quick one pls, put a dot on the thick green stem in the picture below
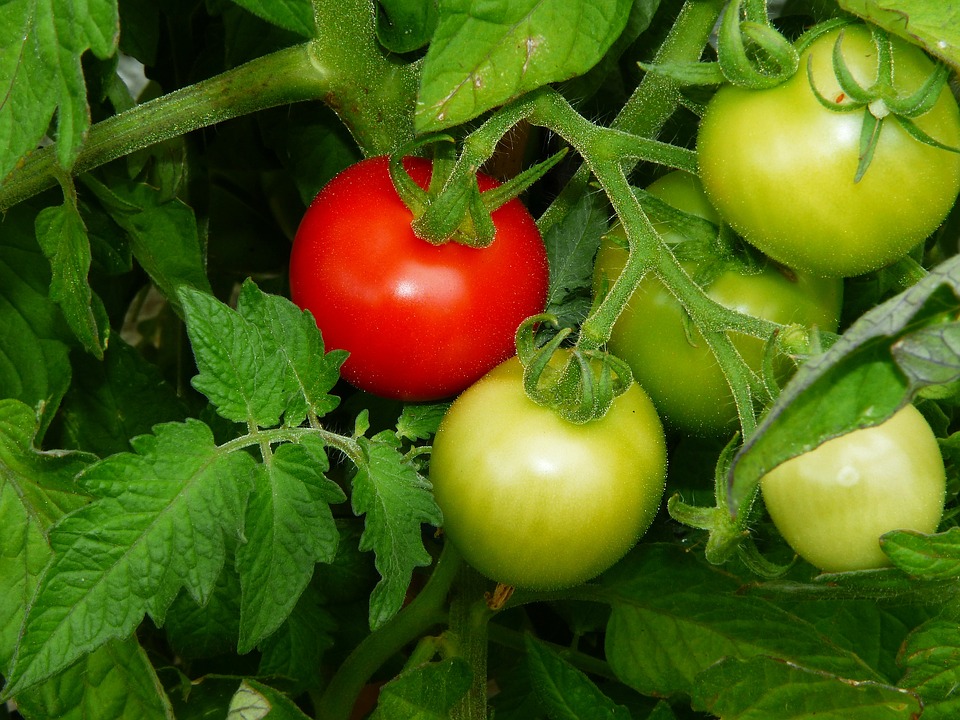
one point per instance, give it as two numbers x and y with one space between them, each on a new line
469 618
425 611
286 76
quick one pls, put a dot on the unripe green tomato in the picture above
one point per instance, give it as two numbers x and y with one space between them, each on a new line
780 167
534 501
669 357
833 503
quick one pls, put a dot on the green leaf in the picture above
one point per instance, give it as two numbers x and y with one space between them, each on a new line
36 490
62 236
876 367
420 422
571 247
291 333
406 25
933 26
396 500
240 372
762 688
197 632
254 701
162 230
293 15
92 687
428 692
289 529
41 44
673 616
114 400
931 557
34 367
158 524
565 693
930 658
484 54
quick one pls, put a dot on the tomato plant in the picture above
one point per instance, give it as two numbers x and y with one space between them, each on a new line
781 168
420 321
199 514
534 501
668 355
834 502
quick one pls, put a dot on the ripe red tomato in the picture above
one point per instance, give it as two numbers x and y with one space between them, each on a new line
421 321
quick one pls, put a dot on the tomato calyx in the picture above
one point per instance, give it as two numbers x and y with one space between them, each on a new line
881 101
751 52
579 385
452 208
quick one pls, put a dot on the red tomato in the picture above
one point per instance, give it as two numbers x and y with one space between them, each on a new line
421 321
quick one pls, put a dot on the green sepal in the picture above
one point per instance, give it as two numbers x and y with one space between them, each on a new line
742 69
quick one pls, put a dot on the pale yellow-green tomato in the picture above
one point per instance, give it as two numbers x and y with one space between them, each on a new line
833 503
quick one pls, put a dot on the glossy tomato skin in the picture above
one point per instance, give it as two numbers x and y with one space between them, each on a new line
780 167
533 501
669 357
833 503
421 322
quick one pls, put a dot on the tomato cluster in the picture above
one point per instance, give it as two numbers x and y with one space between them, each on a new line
534 500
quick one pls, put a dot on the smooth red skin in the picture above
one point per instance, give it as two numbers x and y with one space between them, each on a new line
421 322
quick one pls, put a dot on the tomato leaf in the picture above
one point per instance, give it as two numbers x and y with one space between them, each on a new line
396 500
35 342
764 687
120 668
406 25
41 44
254 699
564 691
36 489
294 15
428 692
930 557
158 524
483 55
876 367
289 529
419 422
62 236
933 26
930 657
665 602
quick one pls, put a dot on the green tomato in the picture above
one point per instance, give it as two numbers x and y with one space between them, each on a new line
833 503
669 357
780 167
534 501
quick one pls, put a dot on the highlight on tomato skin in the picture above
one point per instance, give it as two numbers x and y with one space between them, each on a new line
420 321
534 501
834 502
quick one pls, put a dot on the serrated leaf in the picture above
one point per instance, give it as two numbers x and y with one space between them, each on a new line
41 44
419 422
428 692
34 367
565 692
933 26
484 54
854 383
293 15
36 490
255 701
162 231
158 525
197 632
289 529
930 657
396 500
239 372
308 373
762 688
930 557
62 236
92 687
673 616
